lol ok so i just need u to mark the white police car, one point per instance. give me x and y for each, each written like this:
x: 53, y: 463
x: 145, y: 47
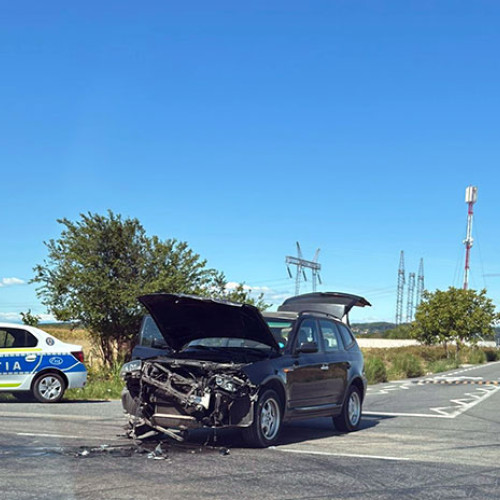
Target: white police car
x: 34, y: 363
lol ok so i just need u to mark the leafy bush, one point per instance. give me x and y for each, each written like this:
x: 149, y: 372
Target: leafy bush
x: 407, y: 365
x: 491, y: 354
x: 476, y: 357
x: 102, y: 383
x: 442, y: 365
x: 375, y: 370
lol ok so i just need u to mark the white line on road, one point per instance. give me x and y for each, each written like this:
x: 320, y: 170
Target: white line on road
x: 396, y: 414
x: 60, y: 416
x: 57, y: 436
x: 32, y: 434
x: 330, y: 454
x: 462, y: 405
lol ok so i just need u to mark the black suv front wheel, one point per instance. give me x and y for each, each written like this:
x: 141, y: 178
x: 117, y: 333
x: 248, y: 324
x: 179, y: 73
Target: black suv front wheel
x: 267, y: 421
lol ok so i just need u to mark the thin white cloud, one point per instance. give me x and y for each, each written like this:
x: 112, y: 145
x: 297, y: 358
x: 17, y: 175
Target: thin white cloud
x: 16, y: 317
x: 232, y: 285
x: 11, y: 282
x: 47, y: 318
x: 277, y: 297
x: 10, y: 316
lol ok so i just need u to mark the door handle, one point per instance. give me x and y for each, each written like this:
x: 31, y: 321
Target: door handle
x: 30, y: 357
x: 324, y: 367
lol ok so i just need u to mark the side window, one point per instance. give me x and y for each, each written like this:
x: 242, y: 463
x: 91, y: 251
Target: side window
x: 308, y: 332
x: 330, y: 336
x: 346, y: 335
x: 12, y: 338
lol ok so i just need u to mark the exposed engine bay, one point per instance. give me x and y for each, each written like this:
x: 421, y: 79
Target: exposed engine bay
x: 185, y: 394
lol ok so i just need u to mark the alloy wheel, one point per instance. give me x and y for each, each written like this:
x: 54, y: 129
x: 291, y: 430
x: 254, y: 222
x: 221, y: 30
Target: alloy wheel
x: 270, y: 419
x: 50, y: 388
x: 354, y: 408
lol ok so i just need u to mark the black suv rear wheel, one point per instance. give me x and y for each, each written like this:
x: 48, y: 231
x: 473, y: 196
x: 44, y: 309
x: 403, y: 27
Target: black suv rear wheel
x: 350, y: 416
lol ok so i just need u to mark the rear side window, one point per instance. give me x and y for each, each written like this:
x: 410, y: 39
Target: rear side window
x: 347, y: 336
x: 331, y: 340
x: 12, y: 338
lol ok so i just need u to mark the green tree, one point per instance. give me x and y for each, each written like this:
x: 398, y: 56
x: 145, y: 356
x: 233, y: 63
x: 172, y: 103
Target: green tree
x: 454, y: 315
x: 98, y: 267
x: 30, y: 319
x: 399, y: 332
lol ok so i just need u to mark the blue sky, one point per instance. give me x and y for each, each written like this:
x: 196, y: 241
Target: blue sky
x: 243, y: 127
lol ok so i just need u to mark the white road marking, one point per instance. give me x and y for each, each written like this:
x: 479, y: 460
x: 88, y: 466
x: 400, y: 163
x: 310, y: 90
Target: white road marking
x: 330, y: 454
x: 460, y: 406
x: 450, y: 377
x: 33, y: 434
x: 397, y: 414
x: 386, y: 389
x: 463, y: 405
x: 59, y: 416
x: 58, y: 436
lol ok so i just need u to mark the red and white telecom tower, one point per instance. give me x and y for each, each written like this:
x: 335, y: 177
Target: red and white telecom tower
x: 470, y: 199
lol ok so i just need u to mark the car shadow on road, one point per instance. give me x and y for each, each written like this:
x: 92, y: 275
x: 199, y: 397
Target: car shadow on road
x: 292, y: 432
x: 318, y: 428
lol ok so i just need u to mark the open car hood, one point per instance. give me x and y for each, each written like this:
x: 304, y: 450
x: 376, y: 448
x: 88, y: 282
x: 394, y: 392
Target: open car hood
x: 183, y: 318
x: 337, y: 304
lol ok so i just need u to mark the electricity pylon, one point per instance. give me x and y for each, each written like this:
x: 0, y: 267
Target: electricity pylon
x: 303, y: 264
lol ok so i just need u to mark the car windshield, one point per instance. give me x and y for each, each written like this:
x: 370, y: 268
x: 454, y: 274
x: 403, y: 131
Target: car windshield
x: 280, y: 328
x: 227, y: 342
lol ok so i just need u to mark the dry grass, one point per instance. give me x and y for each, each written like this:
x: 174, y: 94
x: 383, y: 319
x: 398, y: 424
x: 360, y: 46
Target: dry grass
x: 415, y: 361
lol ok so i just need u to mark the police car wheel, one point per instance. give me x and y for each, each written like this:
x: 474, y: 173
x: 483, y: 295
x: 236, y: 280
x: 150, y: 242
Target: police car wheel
x: 49, y: 388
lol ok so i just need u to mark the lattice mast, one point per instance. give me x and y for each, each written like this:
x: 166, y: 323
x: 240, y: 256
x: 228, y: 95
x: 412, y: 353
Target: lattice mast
x: 303, y: 264
x: 470, y: 199
x: 401, y: 288
x: 411, y: 294
x: 420, y: 283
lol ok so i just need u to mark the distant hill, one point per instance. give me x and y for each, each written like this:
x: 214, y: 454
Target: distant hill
x: 371, y: 328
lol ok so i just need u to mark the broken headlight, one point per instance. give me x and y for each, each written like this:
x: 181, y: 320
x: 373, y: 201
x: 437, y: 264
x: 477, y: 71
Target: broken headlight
x: 225, y: 383
x: 131, y: 366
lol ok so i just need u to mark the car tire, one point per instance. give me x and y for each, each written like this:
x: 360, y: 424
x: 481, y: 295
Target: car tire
x: 268, y: 416
x: 349, y: 419
x: 49, y: 388
x: 130, y: 405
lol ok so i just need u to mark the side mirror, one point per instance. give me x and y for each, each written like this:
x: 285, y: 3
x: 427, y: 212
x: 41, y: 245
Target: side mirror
x: 308, y: 347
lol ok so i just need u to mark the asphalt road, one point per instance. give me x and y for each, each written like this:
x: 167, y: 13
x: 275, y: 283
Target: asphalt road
x: 436, y: 437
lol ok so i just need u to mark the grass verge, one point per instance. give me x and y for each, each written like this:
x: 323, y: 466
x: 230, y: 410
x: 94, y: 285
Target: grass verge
x: 382, y: 365
x: 101, y: 384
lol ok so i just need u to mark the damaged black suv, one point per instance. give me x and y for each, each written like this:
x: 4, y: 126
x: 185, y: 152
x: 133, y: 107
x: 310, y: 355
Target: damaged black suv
x: 227, y: 365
